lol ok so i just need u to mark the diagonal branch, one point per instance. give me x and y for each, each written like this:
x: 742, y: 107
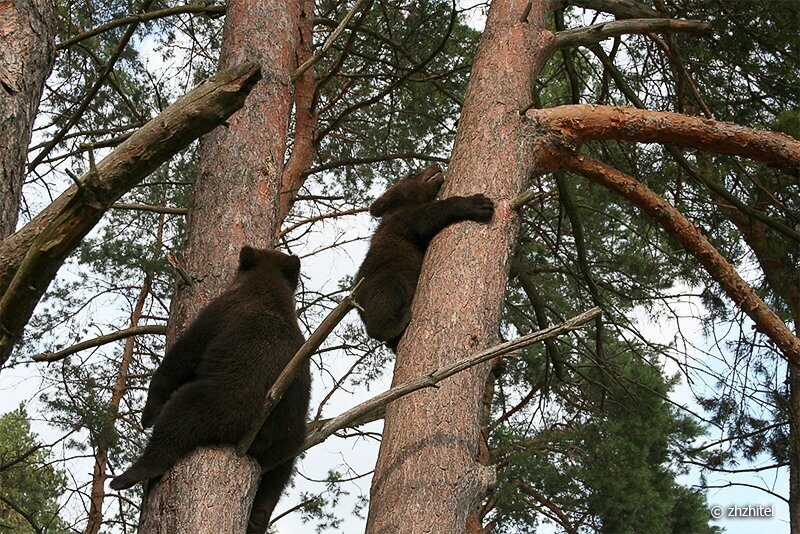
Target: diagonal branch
x: 375, y: 404
x: 695, y: 242
x: 99, y: 341
x: 301, y: 357
x: 30, y: 258
x: 595, y: 33
x: 587, y: 122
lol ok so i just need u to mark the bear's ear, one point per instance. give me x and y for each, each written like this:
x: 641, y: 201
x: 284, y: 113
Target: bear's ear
x: 291, y: 269
x: 248, y: 258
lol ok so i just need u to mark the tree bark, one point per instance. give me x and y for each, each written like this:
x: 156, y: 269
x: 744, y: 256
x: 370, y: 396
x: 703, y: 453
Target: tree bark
x: 26, y: 58
x: 428, y: 477
x: 576, y: 124
x: 235, y: 202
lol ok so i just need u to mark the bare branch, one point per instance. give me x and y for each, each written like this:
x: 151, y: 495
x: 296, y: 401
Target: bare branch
x: 329, y: 41
x: 374, y: 404
x: 99, y: 341
x: 320, y: 217
x: 149, y: 207
x: 30, y: 258
x: 595, y: 33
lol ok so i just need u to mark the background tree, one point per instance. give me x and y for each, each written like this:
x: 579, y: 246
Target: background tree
x: 29, y: 483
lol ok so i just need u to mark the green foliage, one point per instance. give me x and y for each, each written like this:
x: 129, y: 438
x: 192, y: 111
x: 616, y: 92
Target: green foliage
x: 30, y: 485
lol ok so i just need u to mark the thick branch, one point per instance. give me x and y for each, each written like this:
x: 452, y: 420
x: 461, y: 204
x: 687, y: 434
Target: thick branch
x: 696, y: 243
x: 585, y: 122
x: 30, y: 258
x: 304, y: 150
x: 716, y: 188
x: 99, y: 341
x: 286, y: 377
x: 595, y: 33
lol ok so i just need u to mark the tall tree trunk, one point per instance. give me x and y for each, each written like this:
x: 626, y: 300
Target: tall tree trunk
x: 26, y: 58
x: 235, y: 203
x: 428, y: 477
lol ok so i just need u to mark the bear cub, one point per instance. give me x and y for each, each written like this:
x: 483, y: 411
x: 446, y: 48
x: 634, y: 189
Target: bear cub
x: 411, y: 217
x: 213, y: 380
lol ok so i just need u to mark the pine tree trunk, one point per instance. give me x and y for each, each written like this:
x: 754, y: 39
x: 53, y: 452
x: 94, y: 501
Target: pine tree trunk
x: 428, y: 477
x: 26, y: 58
x: 235, y: 203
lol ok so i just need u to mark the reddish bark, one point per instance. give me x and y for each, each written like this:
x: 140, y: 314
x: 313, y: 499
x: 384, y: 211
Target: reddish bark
x: 579, y: 123
x: 235, y: 203
x: 97, y: 493
x: 305, y: 119
x: 26, y: 58
x: 690, y: 237
x: 428, y: 464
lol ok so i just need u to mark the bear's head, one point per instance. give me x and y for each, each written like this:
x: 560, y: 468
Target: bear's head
x: 413, y: 189
x: 268, y: 267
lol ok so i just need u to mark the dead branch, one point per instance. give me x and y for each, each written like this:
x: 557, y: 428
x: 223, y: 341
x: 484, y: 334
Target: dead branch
x: 149, y: 207
x: 622, y: 9
x: 375, y: 404
x: 329, y: 41
x: 99, y: 341
x: 320, y: 217
x: 595, y: 33
x: 695, y: 242
x: 30, y: 258
x: 287, y: 375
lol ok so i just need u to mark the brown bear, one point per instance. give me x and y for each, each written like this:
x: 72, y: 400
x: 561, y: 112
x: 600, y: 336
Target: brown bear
x: 411, y: 216
x: 212, y: 381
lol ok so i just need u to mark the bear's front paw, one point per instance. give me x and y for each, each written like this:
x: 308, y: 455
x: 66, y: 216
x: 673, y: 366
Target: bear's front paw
x: 481, y: 207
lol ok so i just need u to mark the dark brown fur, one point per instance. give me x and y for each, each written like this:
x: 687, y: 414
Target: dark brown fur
x: 411, y: 218
x: 211, y: 382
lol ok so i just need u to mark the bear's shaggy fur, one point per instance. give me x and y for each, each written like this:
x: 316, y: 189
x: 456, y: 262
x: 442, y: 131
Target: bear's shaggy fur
x: 212, y: 381
x: 411, y: 217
